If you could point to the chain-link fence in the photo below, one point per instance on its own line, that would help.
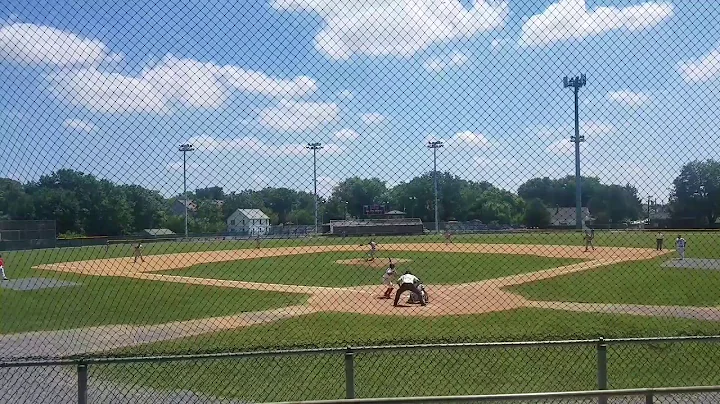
(366, 372)
(209, 177)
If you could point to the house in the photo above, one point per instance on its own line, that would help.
(565, 217)
(248, 221)
(178, 207)
(395, 214)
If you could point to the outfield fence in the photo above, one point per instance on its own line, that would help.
(381, 371)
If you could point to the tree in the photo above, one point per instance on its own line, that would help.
(696, 193)
(357, 192)
(536, 214)
(215, 193)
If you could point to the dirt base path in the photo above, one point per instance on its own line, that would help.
(468, 298)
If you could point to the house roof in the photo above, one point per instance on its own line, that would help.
(253, 213)
(395, 212)
(190, 204)
(158, 232)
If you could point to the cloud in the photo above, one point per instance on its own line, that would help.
(30, 44)
(562, 147)
(440, 63)
(571, 19)
(394, 27)
(373, 118)
(629, 98)
(185, 81)
(462, 140)
(345, 95)
(79, 124)
(298, 116)
(256, 146)
(702, 69)
(346, 134)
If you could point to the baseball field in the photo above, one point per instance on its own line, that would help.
(235, 296)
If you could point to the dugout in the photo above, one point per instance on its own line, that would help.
(377, 227)
(27, 234)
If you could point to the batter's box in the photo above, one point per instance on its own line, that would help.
(24, 284)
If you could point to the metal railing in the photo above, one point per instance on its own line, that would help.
(349, 355)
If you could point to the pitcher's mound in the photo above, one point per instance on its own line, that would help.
(377, 263)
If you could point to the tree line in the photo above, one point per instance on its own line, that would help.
(82, 204)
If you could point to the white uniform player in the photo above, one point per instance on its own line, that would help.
(388, 278)
(680, 245)
(373, 250)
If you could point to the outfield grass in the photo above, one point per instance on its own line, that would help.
(108, 300)
(436, 372)
(323, 270)
(640, 282)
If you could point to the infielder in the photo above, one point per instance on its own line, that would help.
(680, 245)
(448, 237)
(138, 252)
(408, 282)
(2, 268)
(388, 277)
(589, 236)
(107, 246)
(373, 250)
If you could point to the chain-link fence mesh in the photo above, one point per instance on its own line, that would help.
(234, 176)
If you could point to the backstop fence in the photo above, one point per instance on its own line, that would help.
(592, 366)
(27, 234)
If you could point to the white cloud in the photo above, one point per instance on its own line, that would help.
(256, 146)
(298, 116)
(562, 147)
(440, 63)
(325, 185)
(186, 81)
(629, 98)
(346, 134)
(571, 19)
(470, 138)
(702, 69)
(79, 124)
(373, 118)
(394, 27)
(345, 95)
(31, 44)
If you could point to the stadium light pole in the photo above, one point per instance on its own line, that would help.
(412, 205)
(315, 147)
(434, 145)
(576, 83)
(185, 148)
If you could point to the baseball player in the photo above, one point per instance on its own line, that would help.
(680, 245)
(408, 283)
(448, 237)
(2, 268)
(107, 246)
(373, 250)
(589, 236)
(257, 241)
(659, 238)
(388, 277)
(138, 252)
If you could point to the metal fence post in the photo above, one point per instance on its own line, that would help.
(649, 398)
(349, 373)
(602, 382)
(82, 374)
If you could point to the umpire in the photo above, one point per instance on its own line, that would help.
(408, 283)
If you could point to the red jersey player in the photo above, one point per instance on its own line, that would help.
(2, 268)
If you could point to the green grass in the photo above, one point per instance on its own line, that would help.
(641, 282)
(438, 372)
(109, 300)
(322, 269)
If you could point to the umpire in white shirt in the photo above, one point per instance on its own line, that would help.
(408, 283)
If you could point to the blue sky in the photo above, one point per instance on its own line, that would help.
(113, 89)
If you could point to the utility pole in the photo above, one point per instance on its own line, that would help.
(576, 83)
(648, 208)
(185, 148)
(315, 147)
(434, 146)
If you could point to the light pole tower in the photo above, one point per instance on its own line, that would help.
(315, 147)
(576, 83)
(185, 148)
(434, 145)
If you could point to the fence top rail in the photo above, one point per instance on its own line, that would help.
(350, 349)
(516, 397)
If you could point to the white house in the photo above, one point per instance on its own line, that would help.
(248, 221)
